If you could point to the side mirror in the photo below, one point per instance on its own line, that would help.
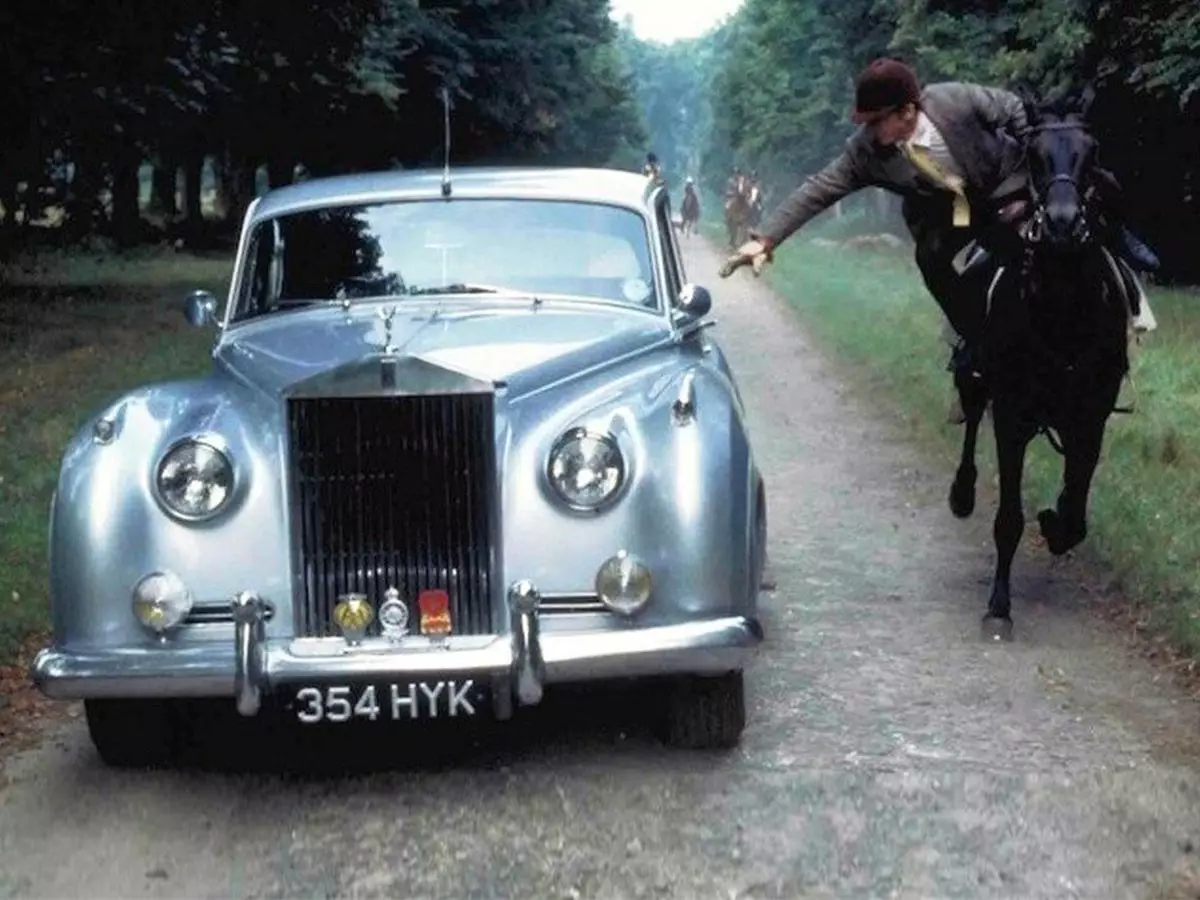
(691, 306)
(694, 301)
(200, 308)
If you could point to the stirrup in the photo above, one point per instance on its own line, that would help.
(961, 359)
(978, 259)
(1137, 254)
(1137, 304)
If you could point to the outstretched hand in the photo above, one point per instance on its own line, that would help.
(751, 253)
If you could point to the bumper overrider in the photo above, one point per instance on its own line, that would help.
(516, 666)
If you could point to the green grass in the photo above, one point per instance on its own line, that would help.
(75, 332)
(871, 310)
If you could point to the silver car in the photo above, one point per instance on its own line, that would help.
(465, 436)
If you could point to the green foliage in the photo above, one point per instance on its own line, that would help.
(76, 332)
(334, 85)
(780, 80)
(672, 90)
(788, 72)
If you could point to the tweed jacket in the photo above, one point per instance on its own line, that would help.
(984, 129)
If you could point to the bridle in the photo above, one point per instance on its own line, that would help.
(1035, 229)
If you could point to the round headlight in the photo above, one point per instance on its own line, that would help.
(586, 469)
(623, 583)
(194, 480)
(161, 601)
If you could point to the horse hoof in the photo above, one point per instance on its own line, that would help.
(1058, 538)
(997, 628)
(962, 499)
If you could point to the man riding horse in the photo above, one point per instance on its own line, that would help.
(690, 210)
(756, 200)
(955, 152)
(741, 199)
(652, 170)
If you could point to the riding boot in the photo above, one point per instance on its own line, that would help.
(1136, 252)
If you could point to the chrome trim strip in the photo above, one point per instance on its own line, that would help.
(563, 604)
(221, 614)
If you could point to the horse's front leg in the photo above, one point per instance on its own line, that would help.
(973, 394)
(1066, 526)
(1012, 437)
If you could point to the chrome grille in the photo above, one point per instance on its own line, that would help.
(393, 491)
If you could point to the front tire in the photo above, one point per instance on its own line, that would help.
(132, 733)
(706, 713)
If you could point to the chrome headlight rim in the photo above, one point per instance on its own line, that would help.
(580, 432)
(211, 442)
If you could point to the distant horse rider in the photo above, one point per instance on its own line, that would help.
(754, 192)
(733, 184)
(690, 211)
(652, 170)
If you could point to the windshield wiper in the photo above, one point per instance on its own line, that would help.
(458, 288)
(300, 301)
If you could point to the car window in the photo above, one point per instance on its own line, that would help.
(418, 247)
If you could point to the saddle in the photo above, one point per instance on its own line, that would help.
(974, 258)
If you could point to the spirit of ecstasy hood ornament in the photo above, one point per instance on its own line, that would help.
(387, 371)
(388, 313)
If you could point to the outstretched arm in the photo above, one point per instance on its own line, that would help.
(817, 193)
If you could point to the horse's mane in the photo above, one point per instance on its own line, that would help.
(1060, 106)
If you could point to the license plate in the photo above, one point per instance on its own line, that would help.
(399, 701)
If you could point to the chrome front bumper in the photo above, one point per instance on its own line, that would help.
(526, 660)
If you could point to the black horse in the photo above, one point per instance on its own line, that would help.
(1054, 348)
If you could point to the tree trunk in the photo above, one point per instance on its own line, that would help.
(235, 184)
(125, 217)
(163, 188)
(83, 196)
(193, 212)
(8, 225)
(240, 187)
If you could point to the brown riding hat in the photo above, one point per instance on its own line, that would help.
(883, 86)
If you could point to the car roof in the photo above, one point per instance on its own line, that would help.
(589, 185)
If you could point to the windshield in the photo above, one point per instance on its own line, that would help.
(420, 248)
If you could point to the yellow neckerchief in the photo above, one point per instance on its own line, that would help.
(919, 157)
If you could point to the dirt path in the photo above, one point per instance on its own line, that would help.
(889, 752)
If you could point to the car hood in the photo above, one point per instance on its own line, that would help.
(525, 347)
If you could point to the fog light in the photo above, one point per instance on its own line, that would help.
(161, 601)
(353, 615)
(623, 584)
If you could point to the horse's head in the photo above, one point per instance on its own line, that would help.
(1061, 154)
